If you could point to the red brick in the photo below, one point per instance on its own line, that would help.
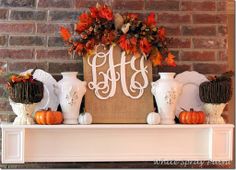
(90, 3)
(17, 28)
(221, 5)
(62, 67)
(27, 41)
(3, 13)
(178, 69)
(3, 92)
(3, 40)
(45, 28)
(209, 43)
(207, 5)
(180, 43)
(198, 55)
(28, 15)
(222, 55)
(18, 3)
(2, 79)
(173, 18)
(222, 30)
(209, 18)
(55, 4)
(56, 42)
(199, 30)
(162, 5)
(172, 30)
(63, 16)
(52, 54)
(4, 105)
(16, 54)
(128, 5)
(23, 66)
(207, 68)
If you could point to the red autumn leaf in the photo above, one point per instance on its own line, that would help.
(132, 16)
(90, 44)
(84, 17)
(133, 41)
(65, 34)
(151, 20)
(123, 43)
(106, 13)
(170, 60)
(84, 23)
(145, 46)
(93, 12)
(79, 48)
(161, 33)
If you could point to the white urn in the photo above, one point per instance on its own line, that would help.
(166, 91)
(213, 112)
(23, 112)
(71, 92)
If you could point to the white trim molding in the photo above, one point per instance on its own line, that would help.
(116, 142)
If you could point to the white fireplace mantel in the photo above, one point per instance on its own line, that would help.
(115, 142)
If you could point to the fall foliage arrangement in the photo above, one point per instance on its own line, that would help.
(25, 89)
(136, 37)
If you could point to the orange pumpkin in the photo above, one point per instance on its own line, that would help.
(191, 117)
(48, 117)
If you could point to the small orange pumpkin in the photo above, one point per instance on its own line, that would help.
(48, 117)
(191, 117)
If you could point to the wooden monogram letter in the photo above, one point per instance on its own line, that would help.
(118, 87)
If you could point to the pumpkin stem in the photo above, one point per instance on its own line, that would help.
(184, 109)
(191, 109)
(49, 109)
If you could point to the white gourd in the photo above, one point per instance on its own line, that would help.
(153, 118)
(85, 118)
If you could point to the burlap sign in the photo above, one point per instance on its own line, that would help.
(118, 106)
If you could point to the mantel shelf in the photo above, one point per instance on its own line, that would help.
(116, 126)
(116, 142)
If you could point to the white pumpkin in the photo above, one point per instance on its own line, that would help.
(85, 118)
(153, 118)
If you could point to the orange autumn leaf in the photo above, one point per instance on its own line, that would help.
(170, 60)
(156, 59)
(65, 34)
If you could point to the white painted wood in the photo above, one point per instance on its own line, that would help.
(13, 145)
(222, 144)
(126, 142)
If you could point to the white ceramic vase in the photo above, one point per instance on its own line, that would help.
(213, 112)
(23, 112)
(71, 92)
(166, 91)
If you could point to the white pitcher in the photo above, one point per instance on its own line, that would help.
(71, 92)
(166, 91)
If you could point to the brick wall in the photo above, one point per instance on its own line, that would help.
(29, 34)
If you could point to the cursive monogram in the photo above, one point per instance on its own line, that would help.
(107, 87)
